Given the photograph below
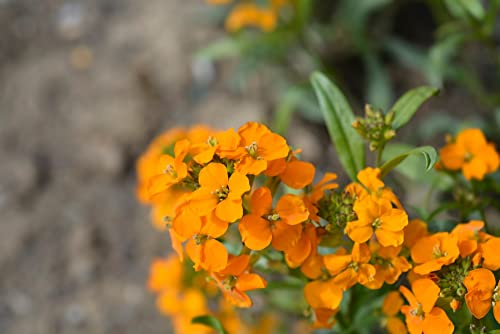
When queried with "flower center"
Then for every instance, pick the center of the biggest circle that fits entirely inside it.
(417, 312)
(222, 193)
(200, 238)
(170, 170)
(437, 252)
(168, 221)
(377, 222)
(229, 282)
(252, 149)
(468, 156)
(212, 141)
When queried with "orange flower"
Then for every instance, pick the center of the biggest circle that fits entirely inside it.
(171, 170)
(318, 191)
(260, 146)
(370, 184)
(298, 174)
(248, 14)
(350, 269)
(376, 215)
(415, 230)
(389, 266)
(433, 252)
(147, 163)
(298, 253)
(182, 307)
(223, 143)
(281, 226)
(480, 284)
(467, 236)
(220, 192)
(234, 280)
(323, 294)
(472, 154)
(202, 248)
(165, 274)
(323, 318)
(489, 250)
(391, 306)
(421, 315)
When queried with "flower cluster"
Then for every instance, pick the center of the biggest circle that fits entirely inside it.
(470, 153)
(242, 209)
(251, 14)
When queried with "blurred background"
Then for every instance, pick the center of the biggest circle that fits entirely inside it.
(86, 85)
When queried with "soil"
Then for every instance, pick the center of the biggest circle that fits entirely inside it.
(84, 86)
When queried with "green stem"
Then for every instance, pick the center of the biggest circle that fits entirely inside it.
(378, 159)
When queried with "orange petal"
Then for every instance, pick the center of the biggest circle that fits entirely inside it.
(292, 209)
(249, 165)
(395, 220)
(284, 235)
(261, 201)
(452, 156)
(370, 178)
(312, 267)
(186, 224)
(214, 256)
(320, 294)
(272, 146)
(490, 248)
(203, 202)
(395, 326)
(389, 238)
(236, 265)
(298, 174)
(426, 292)
(229, 209)
(410, 297)
(336, 263)
(255, 232)
(480, 278)
(213, 176)
(359, 231)
(478, 302)
(415, 230)
(194, 252)
(436, 321)
(496, 312)
(248, 282)
(213, 226)
(392, 303)
(297, 254)
(238, 185)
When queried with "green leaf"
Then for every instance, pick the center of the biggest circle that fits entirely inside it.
(211, 322)
(474, 8)
(412, 167)
(408, 104)
(428, 152)
(224, 48)
(339, 118)
(378, 85)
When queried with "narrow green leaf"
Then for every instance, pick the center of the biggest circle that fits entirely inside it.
(378, 85)
(223, 48)
(428, 152)
(474, 8)
(412, 167)
(339, 118)
(209, 321)
(408, 104)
